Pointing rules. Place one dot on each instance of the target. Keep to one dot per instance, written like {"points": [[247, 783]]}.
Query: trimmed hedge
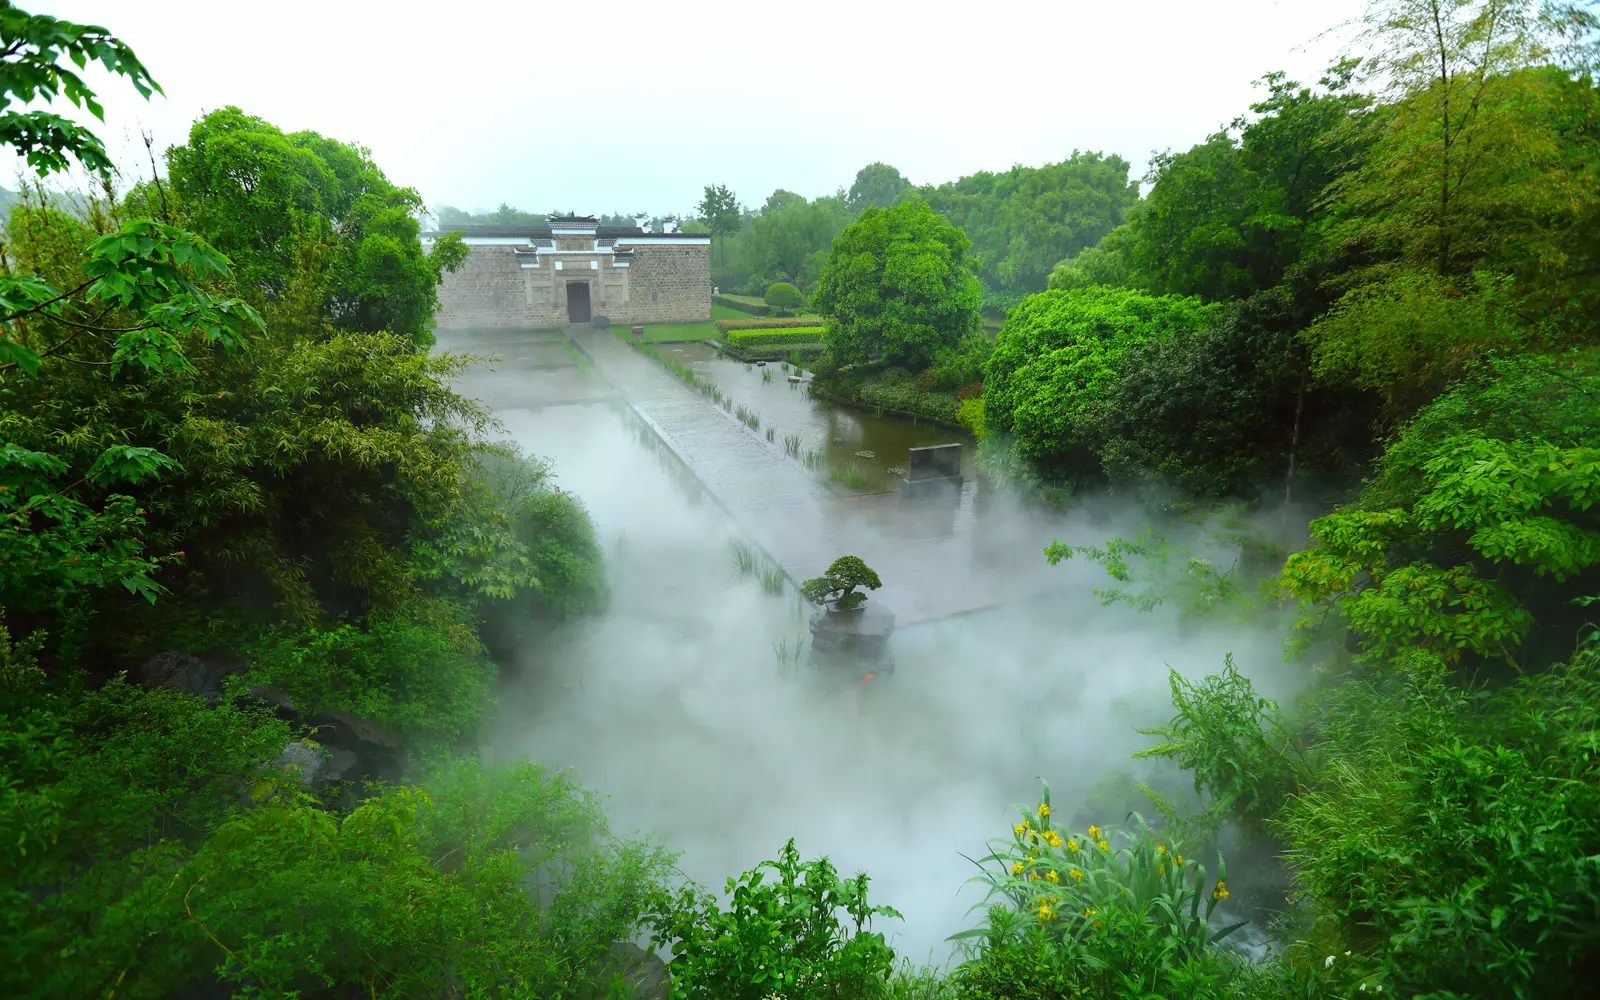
{"points": [[724, 325], [754, 307], [775, 338]]}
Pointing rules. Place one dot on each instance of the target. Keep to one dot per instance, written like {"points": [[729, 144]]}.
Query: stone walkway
{"points": [[936, 558]]}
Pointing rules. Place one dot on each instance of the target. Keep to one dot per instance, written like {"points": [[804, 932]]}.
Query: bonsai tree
{"points": [[783, 296], [839, 584]]}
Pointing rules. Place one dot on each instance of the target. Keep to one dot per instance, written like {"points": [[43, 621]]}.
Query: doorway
{"points": [[577, 302]]}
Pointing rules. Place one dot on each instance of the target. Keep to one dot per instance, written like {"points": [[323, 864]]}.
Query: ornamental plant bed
{"points": [[774, 338], [726, 325]]}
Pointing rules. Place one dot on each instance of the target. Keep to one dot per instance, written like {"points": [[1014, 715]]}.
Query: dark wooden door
{"points": [[577, 302]]}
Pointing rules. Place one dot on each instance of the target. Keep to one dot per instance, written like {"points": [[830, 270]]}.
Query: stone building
{"points": [[573, 271]]}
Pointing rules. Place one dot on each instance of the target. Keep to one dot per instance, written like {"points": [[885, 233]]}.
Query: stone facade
{"points": [[531, 279]]}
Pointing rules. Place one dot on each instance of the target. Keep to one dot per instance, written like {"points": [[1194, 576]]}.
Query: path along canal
{"points": [[676, 705]]}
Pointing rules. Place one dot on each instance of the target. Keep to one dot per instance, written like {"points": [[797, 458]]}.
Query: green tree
{"points": [[317, 233], [1056, 359], [1026, 220], [877, 185], [789, 240], [1460, 131], [783, 296], [898, 284], [1229, 216], [720, 211], [1478, 531]]}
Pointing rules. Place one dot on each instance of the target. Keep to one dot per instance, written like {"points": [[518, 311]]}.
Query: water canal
{"points": [[680, 705]]}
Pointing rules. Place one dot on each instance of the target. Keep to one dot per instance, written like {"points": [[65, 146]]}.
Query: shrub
{"points": [[779, 938], [1451, 836], [794, 354], [1057, 357], [954, 367], [743, 303], [783, 295], [424, 673], [897, 389], [969, 414], [787, 323], [775, 338]]}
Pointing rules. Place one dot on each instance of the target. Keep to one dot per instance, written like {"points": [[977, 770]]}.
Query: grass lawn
{"points": [[655, 333], [753, 300], [719, 311]]}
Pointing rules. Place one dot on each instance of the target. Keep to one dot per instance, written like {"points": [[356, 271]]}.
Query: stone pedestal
{"points": [[858, 639], [932, 472]]}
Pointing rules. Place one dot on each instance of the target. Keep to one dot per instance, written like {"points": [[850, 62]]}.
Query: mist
{"points": [[674, 705]]}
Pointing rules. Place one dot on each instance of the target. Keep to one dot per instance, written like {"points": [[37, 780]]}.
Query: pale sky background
{"points": [[621, 105]]}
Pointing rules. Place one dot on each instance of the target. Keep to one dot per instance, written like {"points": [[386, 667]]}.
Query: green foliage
{"points": [[838, 585], [1471, 534], [1450, 836], [1229, 216], [1191, 581], [877, 185], [777, 938], [969, 414], [790, 323], [1057, 357], [1032, 969], [414, 887], [961, 366], [775, 337], [1410, 336], [423, 674], [894, 390], [1024, 221], [782, 295], [898, 284], [1236, 744], [1227, 409], [31, 69], [318, 235], [743, 304], [719, 210], [788, 243], [1126, 919]]}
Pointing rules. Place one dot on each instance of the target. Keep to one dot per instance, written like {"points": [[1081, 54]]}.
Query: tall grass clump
{"points": [[745, 559], [849, 477]]}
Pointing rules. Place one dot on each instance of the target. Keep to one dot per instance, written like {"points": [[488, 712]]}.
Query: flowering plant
{"points": [[1111, 898]]}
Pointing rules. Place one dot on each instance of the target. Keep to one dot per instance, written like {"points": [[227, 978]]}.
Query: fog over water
{"points": [[673, 704]]}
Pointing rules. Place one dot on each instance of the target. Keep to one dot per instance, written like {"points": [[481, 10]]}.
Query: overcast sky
{"points": [[624, 105]]}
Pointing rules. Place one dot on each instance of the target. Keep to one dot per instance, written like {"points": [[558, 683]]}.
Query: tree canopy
{"points": [[898, 284]]}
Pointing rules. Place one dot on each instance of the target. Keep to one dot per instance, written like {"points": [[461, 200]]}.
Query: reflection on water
{"points": [[840, 434]]}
